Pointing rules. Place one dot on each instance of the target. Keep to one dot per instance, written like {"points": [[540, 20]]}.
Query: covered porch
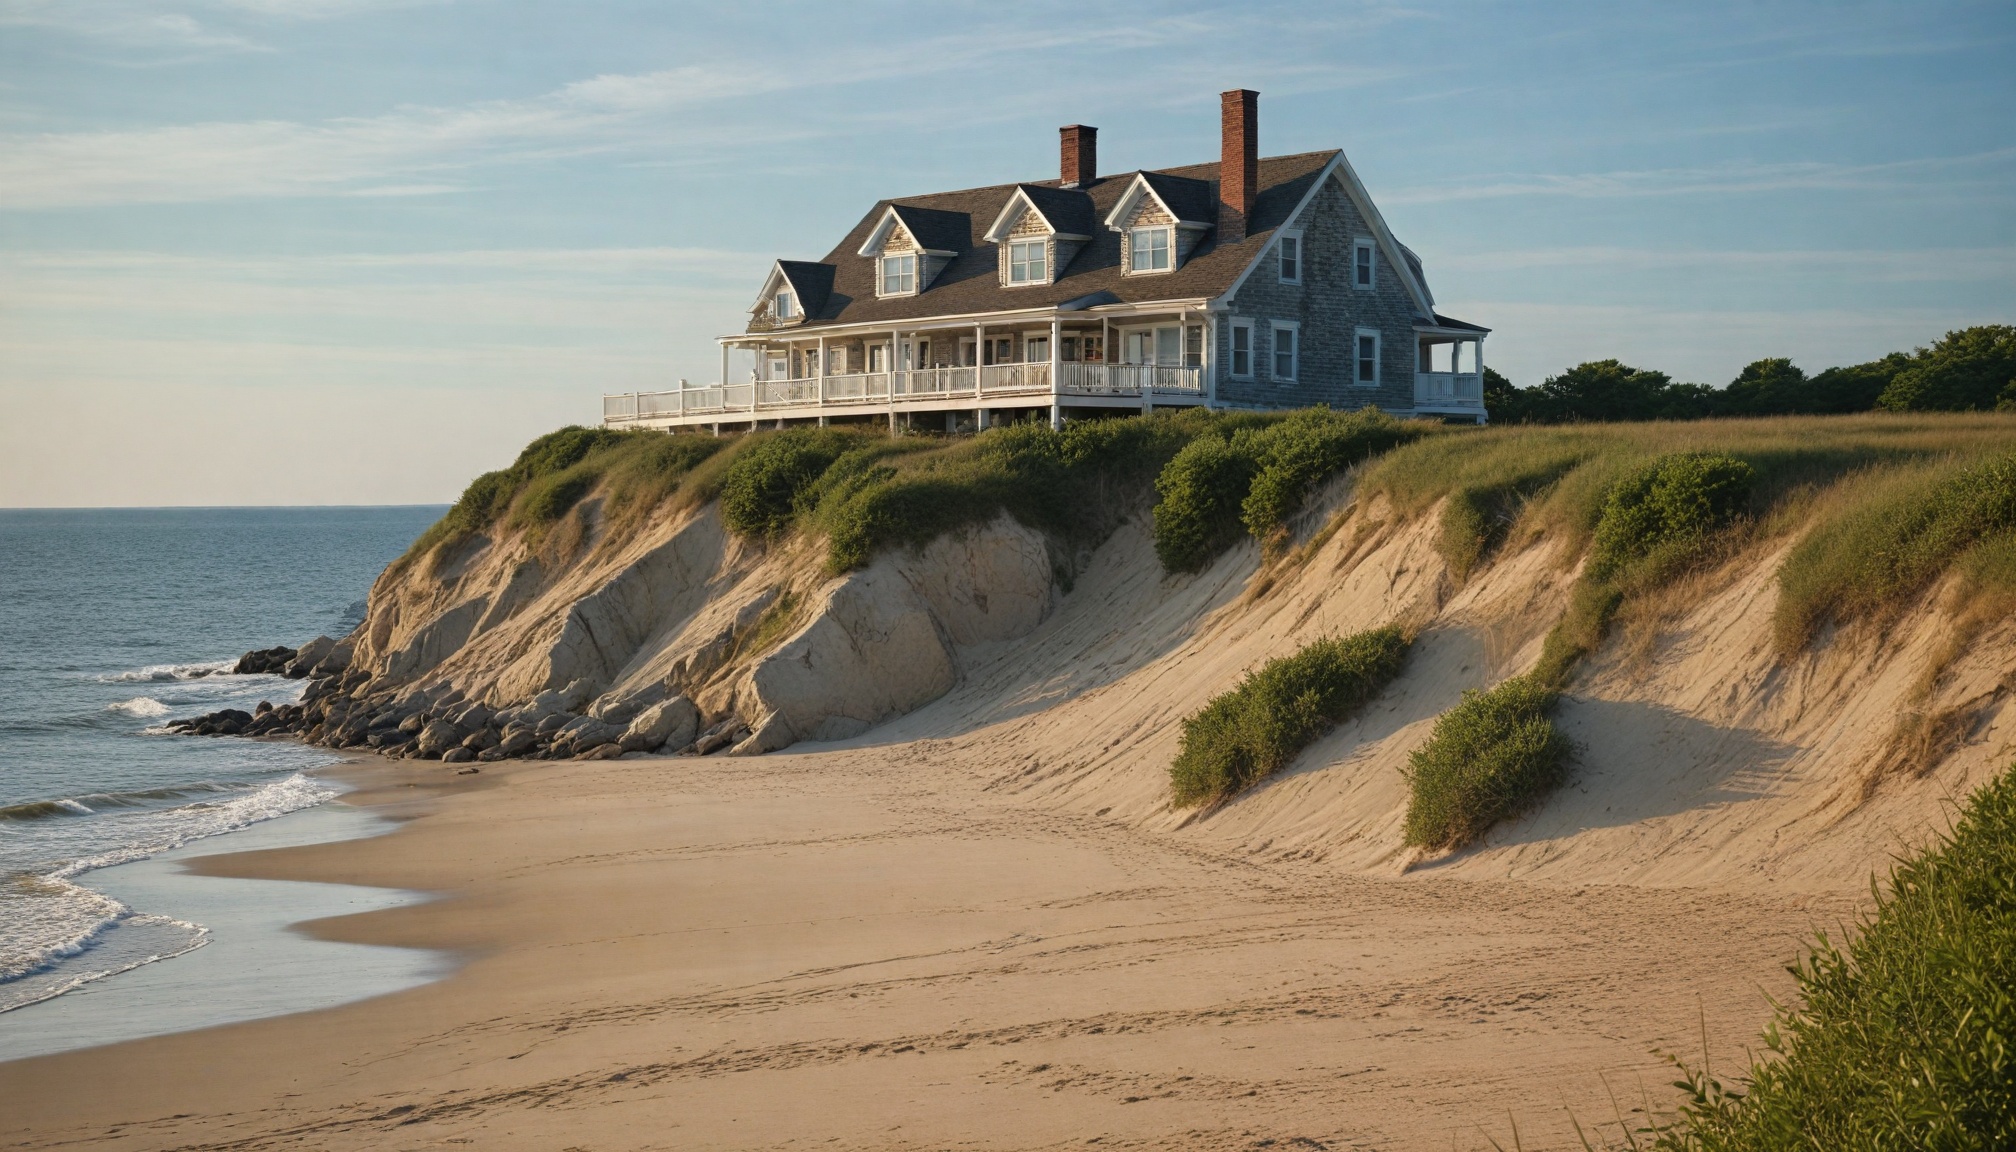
{"points": [[1449, 369]]}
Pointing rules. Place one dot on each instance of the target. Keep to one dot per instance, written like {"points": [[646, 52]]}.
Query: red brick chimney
{"points": [[1238, 161], [1080, 155]]}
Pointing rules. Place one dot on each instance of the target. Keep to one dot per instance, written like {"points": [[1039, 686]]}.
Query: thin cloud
{"points": [[1887, 265], [1719, 180]]}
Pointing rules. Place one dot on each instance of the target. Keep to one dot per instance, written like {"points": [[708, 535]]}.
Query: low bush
{"points": [[1905, 1037], [760, 490], [1887, 548], [1488, 759], [1256, 474], [1668, 508], [1254, 730]]}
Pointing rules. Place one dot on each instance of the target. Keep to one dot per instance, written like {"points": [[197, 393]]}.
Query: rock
{"points": [[673, 721], [457, 756], [439, 736], [609, 751], [412, 724], [472, 716], [769, 736], [260, 661], [307, 657], [621, 708], [492, 755], [481, 740], [516, 741], [264, 707], [469, 771], [583, 733], [553, 722], [337, 661], [718, 737], [576, 695]]}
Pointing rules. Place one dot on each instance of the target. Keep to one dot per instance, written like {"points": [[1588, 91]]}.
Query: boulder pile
{"points": [[341, 709]]}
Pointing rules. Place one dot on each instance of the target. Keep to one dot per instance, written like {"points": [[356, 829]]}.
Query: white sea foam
{"points": [[169, 672], [139, 706], [57, 934]]}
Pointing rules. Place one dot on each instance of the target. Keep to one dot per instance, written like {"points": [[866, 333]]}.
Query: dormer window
{"points": [[1026, 262], [1148, 250], [783, 307], [899, 275]]}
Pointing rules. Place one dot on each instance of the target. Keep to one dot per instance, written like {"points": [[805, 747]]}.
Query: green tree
{"points": [[1768, 387], [1970, 369], [1610, 390]]}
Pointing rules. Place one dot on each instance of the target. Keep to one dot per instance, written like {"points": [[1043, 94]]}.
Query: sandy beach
{"points": [[869, 947]]}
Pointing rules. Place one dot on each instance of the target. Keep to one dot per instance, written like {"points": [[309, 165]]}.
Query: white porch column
{"points": [[1207, 373], [821, 374], [1056, 371], [979, 370], [724, 363]]}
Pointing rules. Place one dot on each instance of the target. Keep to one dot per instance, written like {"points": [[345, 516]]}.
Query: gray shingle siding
{"points": [[1330, 311]]}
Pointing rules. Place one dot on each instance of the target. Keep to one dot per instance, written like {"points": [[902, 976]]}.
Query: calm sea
{"points": [[111, 622]]}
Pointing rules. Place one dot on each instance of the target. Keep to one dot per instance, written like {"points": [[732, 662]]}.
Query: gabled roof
{"points": [[811, 283], [1190, 201], [1067, 212], [971, 283], [939, 232]]}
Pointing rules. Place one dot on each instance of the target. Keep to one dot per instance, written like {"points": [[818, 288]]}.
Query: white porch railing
{"points": [[1461, 390], [882, 389]]}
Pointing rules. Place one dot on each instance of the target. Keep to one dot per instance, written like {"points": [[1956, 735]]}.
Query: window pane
{"points": [[1168, 345]]}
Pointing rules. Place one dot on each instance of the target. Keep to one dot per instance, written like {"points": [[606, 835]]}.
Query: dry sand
{"points": [[868, 948]]}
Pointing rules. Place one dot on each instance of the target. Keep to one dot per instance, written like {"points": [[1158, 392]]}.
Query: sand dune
{"points": [[981, 925]]}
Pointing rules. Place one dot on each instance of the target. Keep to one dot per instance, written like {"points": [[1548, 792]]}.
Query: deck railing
{"points": [[882, 389], [1464, 390]]}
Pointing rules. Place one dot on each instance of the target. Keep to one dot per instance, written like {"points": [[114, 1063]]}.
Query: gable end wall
{"points": [[1330, 311]]}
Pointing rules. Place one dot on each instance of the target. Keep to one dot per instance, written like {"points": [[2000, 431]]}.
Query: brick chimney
{"points": [[1079, 167], [1238, 161]]}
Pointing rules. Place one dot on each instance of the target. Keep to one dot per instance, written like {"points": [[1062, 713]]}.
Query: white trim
{"points": [[1049, 257], [1116, 220], [1010, 212], [881, 275], [1169, 232], [1371, 281], [1378, 356], [1239, 324], [880, 236], [1274, 330], [1283, 236]]}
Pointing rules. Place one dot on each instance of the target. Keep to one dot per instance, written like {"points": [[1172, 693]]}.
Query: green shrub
{"points": [[551, 497], [1201, 492], [1904, 1039], [1304, 450], [1488, 759], [1966, 370], [1254, 730], [1884, 550], [760, 490], [1669, 505]]}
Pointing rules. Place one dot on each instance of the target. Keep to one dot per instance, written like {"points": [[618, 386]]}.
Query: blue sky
{"points": [[333, 251]]}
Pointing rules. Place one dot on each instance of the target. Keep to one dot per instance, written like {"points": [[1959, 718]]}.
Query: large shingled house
{"points": [[1255, 282]]}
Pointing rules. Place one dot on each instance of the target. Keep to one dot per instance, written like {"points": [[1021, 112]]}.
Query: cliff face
{"points": [[1704, 755]]}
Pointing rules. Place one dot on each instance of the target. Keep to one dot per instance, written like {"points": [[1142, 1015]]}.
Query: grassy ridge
{"points": [[1904, 1037], [1253, 731]]}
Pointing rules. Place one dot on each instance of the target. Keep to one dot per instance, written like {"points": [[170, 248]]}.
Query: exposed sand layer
{"points": [[980, 925]]}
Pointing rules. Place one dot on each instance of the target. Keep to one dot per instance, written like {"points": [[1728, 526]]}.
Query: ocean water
{"points": [[112, 622]]}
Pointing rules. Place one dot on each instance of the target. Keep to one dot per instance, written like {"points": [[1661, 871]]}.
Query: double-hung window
{"points": [[1148, 250], [782, 306], [1367, 359], [1242, 348], [1290, 249], [1026, 264], [1285, 337], [1362, 267], [899, 275]]}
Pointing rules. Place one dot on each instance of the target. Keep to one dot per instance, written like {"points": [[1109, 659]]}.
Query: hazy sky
{"points": [[355, 251]]}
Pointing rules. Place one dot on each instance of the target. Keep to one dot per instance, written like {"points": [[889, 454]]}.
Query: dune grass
{"points": [[638, 470], [1253, 731], [1488, 759], [1904, 1036]]}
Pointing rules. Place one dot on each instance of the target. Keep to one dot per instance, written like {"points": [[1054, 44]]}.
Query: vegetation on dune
{"points": [[1909, 529], [1971, 369], [1254, 472], [554, 472], [1902, 1038], [1253, 731], [1488, 759]]}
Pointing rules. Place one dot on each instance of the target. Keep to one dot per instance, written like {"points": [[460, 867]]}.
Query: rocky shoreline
{"points": [[346, 707]]}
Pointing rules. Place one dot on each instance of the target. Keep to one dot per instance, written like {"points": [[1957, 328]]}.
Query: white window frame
{"points": [[1290, 236], [1364, 248], [781, 305], [1274, 330], [1357, 337], [1134, 235], [1042, 262], [1232, 348], [882, 275]]}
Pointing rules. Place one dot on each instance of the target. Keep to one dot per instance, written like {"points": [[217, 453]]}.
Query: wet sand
{"points": [[869, 947]]}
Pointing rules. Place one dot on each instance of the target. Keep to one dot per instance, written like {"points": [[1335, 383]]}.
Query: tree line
{"points": [[1971, 369]]}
